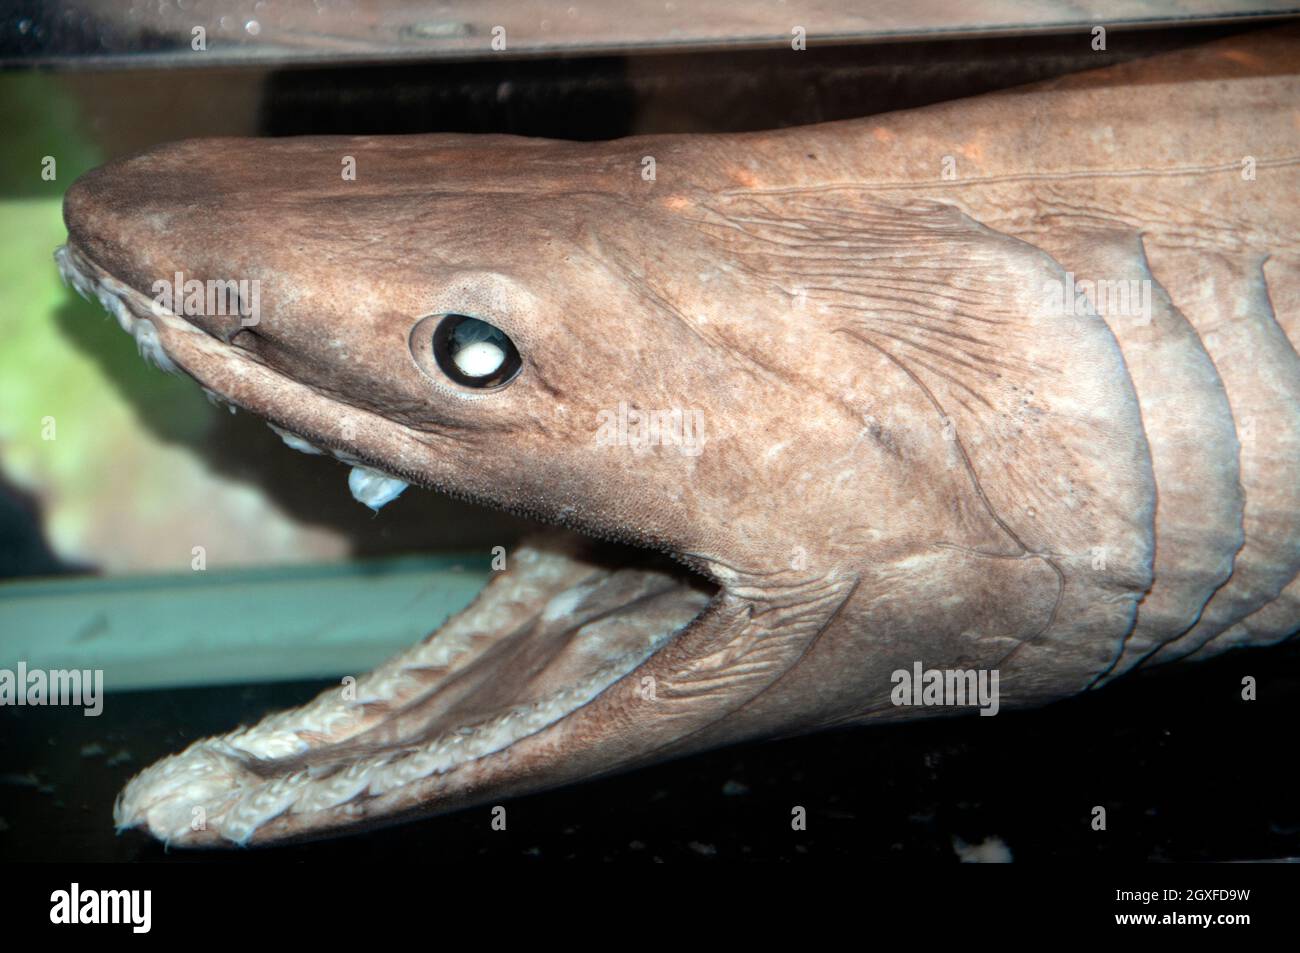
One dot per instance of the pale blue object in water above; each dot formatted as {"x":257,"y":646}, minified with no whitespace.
{"x":220,"y":627}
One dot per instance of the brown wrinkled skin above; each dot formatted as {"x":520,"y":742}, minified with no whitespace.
{"x":909,"y":457}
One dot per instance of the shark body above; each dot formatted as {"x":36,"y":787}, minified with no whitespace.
{"x":1005,"y":385}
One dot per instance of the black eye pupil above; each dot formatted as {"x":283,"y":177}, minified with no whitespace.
{"x":474,"y":353}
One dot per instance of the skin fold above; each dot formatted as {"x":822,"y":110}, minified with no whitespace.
{"x":914,"y":445}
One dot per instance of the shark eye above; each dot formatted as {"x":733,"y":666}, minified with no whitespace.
{"x":473,"y":353}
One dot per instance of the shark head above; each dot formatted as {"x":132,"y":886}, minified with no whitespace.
{"x":448,"y":313}
{"x":451,"y":312}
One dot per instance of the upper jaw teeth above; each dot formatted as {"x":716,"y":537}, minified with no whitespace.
{"x":218,"y":401}
{"x":82,"y":284}
{"x":112,"y":298}
{"x":295,"y":442}
{"x":373,"y":488}
{"x":369,"y":486}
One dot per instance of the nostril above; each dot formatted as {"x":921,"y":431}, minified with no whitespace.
{"x":221,"y":307}
{"x":224,"y":327}
{"x":243,"y":336}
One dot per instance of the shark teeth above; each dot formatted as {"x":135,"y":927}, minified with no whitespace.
{"x":373,"y":488}
{"x":369,"y":486}
{"x":110,"y":295}
{"x":294,"y":442}
{"x":80,"y":283}
{"x":149,"y":346}
{"x":216,"y":400}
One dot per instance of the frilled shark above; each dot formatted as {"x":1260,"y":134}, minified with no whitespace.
{"x":1007,"y":385}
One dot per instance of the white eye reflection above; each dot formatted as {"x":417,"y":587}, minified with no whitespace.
{"x":468,"y":350}
{"x":477,"y":348}
{"x":479,"y":359}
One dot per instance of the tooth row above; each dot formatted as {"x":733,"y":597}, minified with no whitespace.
{"x":111,"y":296}
{"x":211,"y":775}
{"x":216,"y":400}
{"x":368,"y":486}
{"x":536,"y":574}
{"x":372,"y":487}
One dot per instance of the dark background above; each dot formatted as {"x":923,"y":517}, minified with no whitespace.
{"x":1186,"y":770}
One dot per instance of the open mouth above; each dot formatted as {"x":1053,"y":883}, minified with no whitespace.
{"x":566,"y":620}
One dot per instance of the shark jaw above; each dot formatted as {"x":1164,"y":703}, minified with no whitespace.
{"x":541,"y":642}
{"x":477,"y":709}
